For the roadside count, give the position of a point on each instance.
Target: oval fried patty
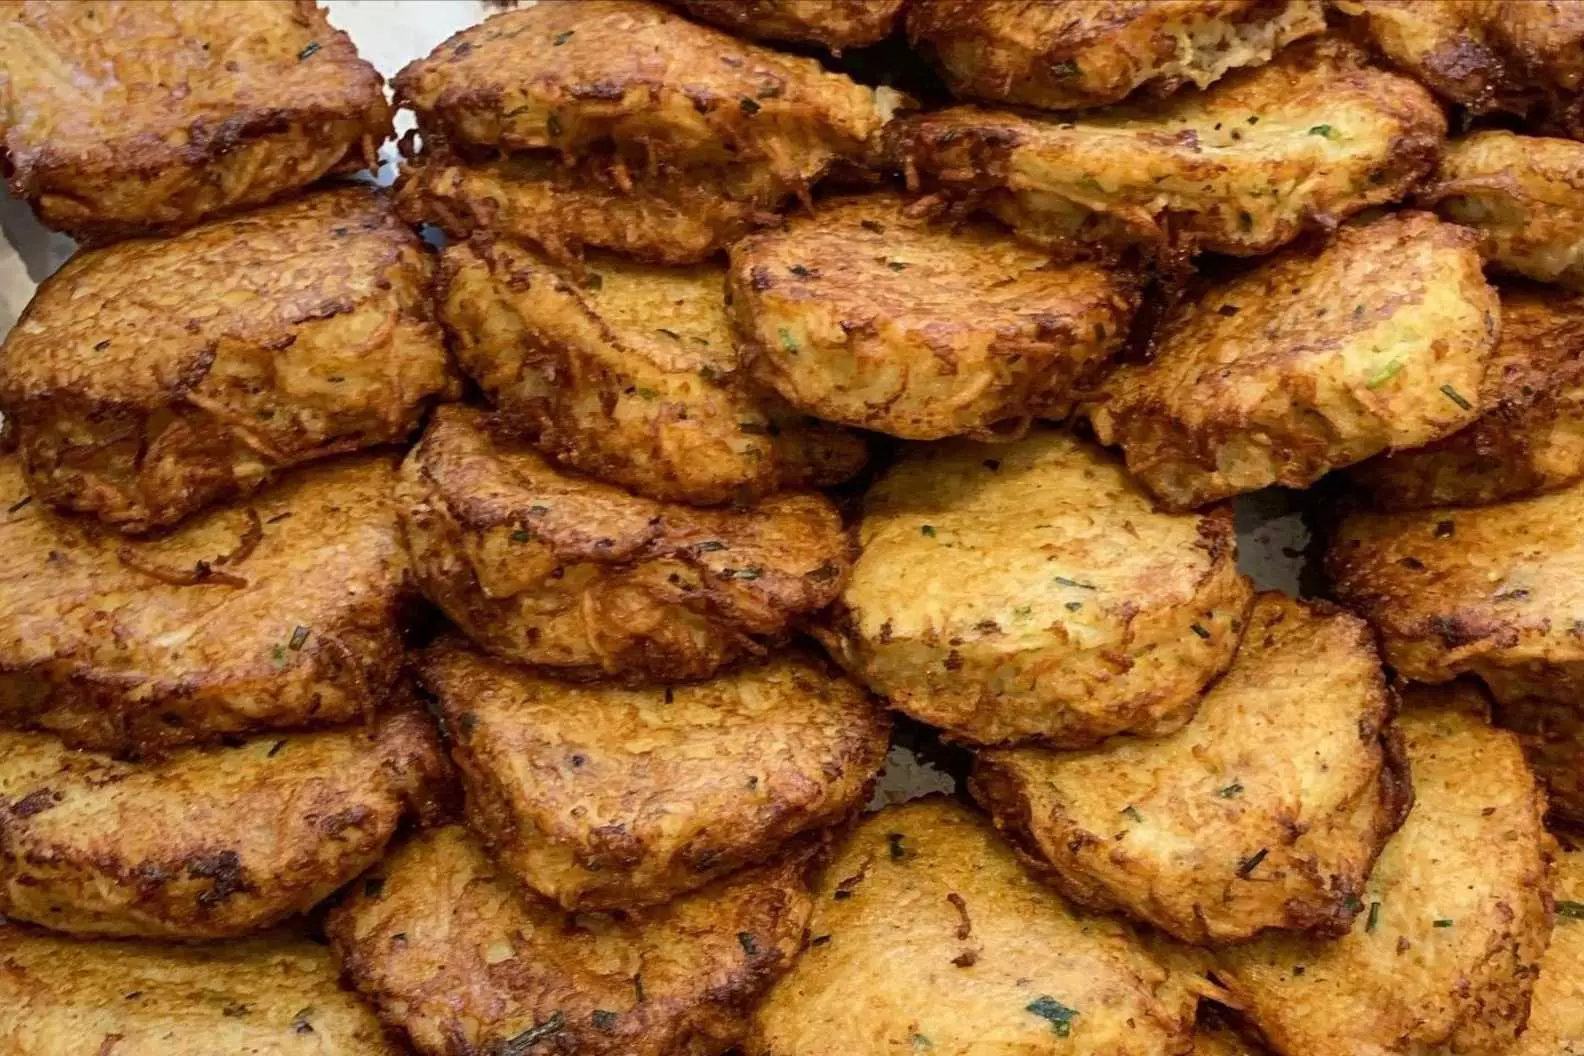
(860, 314)
(277, 613)
(1556, 1017)
(1266, 811)
(598, 797)
(1028, 592)
(543, 567)
(448, 951)
(204, 843)
(837, 24)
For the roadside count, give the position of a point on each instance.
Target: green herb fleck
(709, 546)
(298, 637)
(1073, 606)
(520, 1045)
(1456, 397)
(278, 656)
(603, 1020)
(309, 50)
(1201, 632)
(751, 572)
(521, 535)
(788, 342)
(800, 271)
(647, 394)
(824, 573)
(562, 38)
(1571, 910)
(1063, 581)
(746, 941)
(920, 1043)
(1324, 131)
(1131, 811)
(672, 334)
(749, 106)
(638, 991)
(897, 265)
(1068, 68)
(1384, 374)
(872, 225)
(928, 529)
(19, 504)
(1251, 863)
(1023, 612)
(1231, 791)
(1060, 1016)
(1442, 923)
(1245, 220)
(1374, 918)
(894, 842)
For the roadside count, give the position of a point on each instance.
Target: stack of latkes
(733, 412)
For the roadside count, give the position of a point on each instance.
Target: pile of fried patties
(466, 618)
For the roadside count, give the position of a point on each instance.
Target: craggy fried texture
(598, 797)
(1523, 56)
(631, 376)
(1028, 592)
(1552, 732)
(274, 996)
(1524, 195)
(1317, 359)
(1457, 914)
(1556, 1019)
(447, 950)
(929, 935)
(546, 568)
(1266, 811)
(277, 614)
(209, 842)
(153, 378)
(1302, 142)
(663, 90)
(837, 24)
(860, 314)
(1494, 591)
(1061, 56)
(664, 218)
(1531, 439)
(139, 116)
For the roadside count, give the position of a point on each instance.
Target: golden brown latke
(571, 77)
(1029, 592)
(1523, 56)
(863, 315)
(928, 935)
(1317, 359)
(1266, 811)
(1243, 167)
(1556, 1018)
(274, 996)
(139, 116)
(1494, 591)
(279, 613)
(631, 376)
(1524, 195)
(153, 378)
(447, 950)
(205, 843)
(1456, 916)
(1061, 56)
(599, 797)
(1532, 438)
(837, 24)
(547, 568)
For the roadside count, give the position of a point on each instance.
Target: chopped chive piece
(1074, 606)
(603, 1020)
(298, 637)
(1201, 632)
(1231, 791)
(1443, 923)
(897, 265)
(746, 941)
(672, 334)
(521, 535)
(1384, 374)
(1251, 863)
(894, 842)
(788, 342)
(928, 529)
(1374, 918)
(1325, 131)
(872, 225)
(800, 271)
(749, 106)
(562, 38)
(278, 656)
(1063, 581)
(19, 504)
(920, 1043)
(709, 546)
(1131, 811)
(1456, 397)
(309, 50)
(520, 1045)
(1572, 910)
(1069, 68)
(1060, 1016)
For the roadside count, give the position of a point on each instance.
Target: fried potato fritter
(277, 614)
(1523, 56)
(860, 314)
(601, 798)
(153, 378)
(1314, 360)
(142, 116)
(1062, 56)
(546, 568)
(1265, 811)
(1556, 1018)
(1028, 592)
(929, 935)
(1524, 195)
(631, 377)
(1242, 168)
(206, 843)
(447, 950)
(1444, 956)
(274, 996)
(837, 24)
(1532, 438)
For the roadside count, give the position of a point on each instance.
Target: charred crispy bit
(1376, 341)
(929, 935)
(837, 24)
(864, 315)
(143, 116)
(1532, 438)
(1443, 954)
(1491, 591)
(203, 843)
(449, 952)
(1522, 56)
(1265, 811)
(631, 376)
(546, 568)
(599, 797)
(1241, 168)
(277, 614)
(1556, 1018)
(1065, 55)
(1029, 592)
(1524, 195)
(152, 378)
(271, 996)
